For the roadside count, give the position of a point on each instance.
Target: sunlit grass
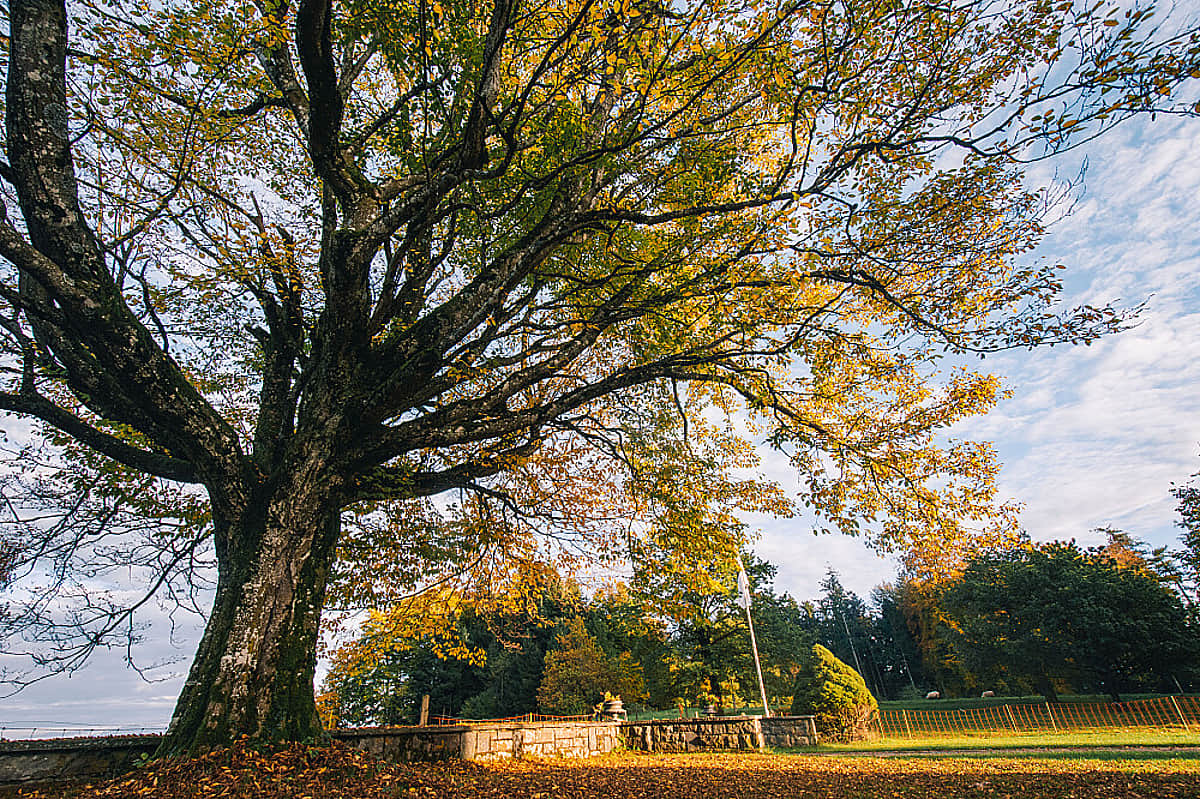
(1118, 737)
(970, 703)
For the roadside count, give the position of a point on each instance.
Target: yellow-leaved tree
(420, 284)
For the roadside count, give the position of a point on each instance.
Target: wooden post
(424, 711)
(1051, 712)
(1182, 720)
(904, 715)
(1011, 720)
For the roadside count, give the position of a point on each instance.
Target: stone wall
(487, 741)
(719, 733)
(406, 743)
(66, 758)
(571, 739)
(61, 758)
(786, 732)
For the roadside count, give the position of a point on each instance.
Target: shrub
(836, 695)
(578, 673)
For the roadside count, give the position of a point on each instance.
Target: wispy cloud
(1093, 435)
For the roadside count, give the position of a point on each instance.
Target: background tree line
(1034, 618)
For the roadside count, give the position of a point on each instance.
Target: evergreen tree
(836, 695)
(578, 673)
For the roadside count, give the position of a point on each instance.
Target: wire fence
(61, 730)
(1162, 713)
(527, 718)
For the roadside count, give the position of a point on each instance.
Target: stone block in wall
(71, 758)
(467, 745)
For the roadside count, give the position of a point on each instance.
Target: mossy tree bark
(253, 671)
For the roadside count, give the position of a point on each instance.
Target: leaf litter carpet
(338, 772)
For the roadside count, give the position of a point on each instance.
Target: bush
(578, 673)
(836, 695)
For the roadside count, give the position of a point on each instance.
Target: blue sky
(1092, 436)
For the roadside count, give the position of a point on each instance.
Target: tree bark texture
(253, 671)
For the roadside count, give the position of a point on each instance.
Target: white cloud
(1094, 435)
(803, 559)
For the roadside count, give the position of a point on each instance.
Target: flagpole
(744, 590)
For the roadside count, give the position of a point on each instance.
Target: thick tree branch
(314, 43)
(109, 355)
(155, 463)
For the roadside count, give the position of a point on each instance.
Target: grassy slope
(996, 701)
(1106, 738)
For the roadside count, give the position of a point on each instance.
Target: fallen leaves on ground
(338, 772)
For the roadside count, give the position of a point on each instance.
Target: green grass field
(970, 703)
(1096, 738)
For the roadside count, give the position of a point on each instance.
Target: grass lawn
(339, 773)
(970, 703)
(1091, 738)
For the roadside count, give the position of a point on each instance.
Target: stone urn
(613, 709)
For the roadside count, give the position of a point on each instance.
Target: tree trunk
(1045, 687)
(1112, 684)
(253, 671)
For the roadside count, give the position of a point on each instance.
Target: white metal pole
(744, 595)
(757, 666)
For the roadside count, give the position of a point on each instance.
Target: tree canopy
(1058, 612)
(578, 674)
(275, 275)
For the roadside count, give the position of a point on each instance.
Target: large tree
(578, 674)
(1055, 612)
(318, 261)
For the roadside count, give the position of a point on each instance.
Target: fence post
(1182, 720)
(1050, 711)
(907, 728)
(1011, 720)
